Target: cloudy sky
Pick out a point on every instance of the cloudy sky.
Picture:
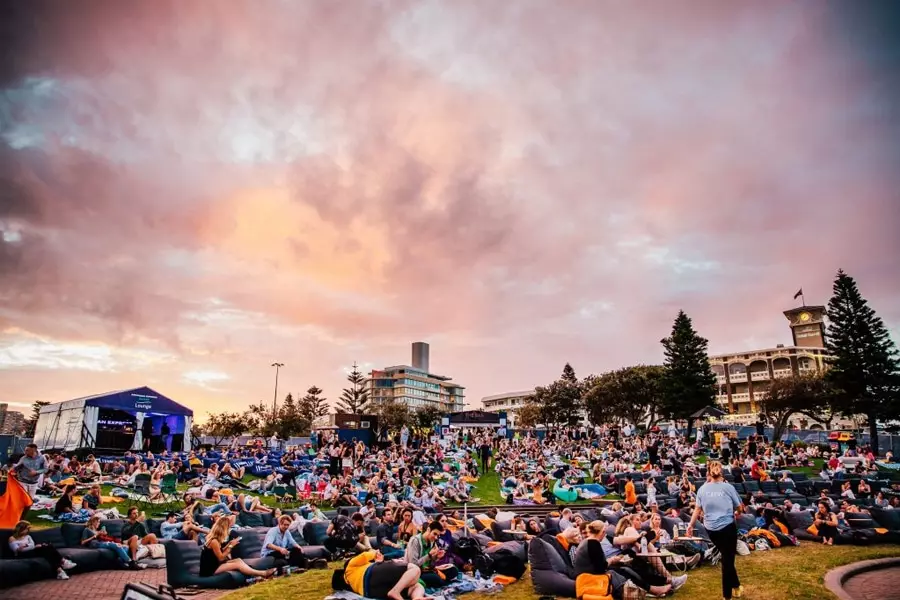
(190, 191)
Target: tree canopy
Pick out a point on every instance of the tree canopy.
(688, 382)
(354, 398)
(863, 361)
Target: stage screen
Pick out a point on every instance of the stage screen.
(115, 429)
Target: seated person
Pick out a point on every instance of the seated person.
(64, 504)
(94, 536)
(22, 546)
(386, 536)
(134, 532)
(280, 543)
(90, 470)
(345, 534)
(651, 569)
(171, 529)
(215, 554)
(91, 500)
(423, 551)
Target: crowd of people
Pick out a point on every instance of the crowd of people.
(395, 525)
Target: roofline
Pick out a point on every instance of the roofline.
(508, 395)
(410, 367)
(768, 350)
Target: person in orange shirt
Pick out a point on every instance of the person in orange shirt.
(630, 495)
(369, 574)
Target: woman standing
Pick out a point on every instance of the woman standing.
(718, 501)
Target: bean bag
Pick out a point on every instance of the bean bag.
(889, 519)
(549, 572)
(517, 549)
(183, 568)
(570, 495)
(314, 533)
(592, 489)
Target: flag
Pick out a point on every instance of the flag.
(13, 504)
(798, 294)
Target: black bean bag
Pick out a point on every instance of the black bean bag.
(549, 572)
(518, 549)
(889, 519)
(314, 533)
(183, 568)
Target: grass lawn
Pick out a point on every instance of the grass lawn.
(786, 573)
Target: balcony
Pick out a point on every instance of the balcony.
(782, 373)
(740, 397)
(759, 376)
(720, 379)
(737, 377)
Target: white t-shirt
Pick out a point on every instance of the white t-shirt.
(21, 545)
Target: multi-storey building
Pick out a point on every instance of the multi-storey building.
(509, 402)
(744, 377)
(11, 422)
(415, 386)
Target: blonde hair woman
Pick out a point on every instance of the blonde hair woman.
(717, 501)
(215, 556)
(23, 546)
(91, 537)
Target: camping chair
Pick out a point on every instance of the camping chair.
(142, 489)
(168, 489)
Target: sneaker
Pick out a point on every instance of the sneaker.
(62, 575)
(678, 582)
(68, 564)
(737, 592)
(693, 561)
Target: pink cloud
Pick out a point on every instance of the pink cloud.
(522, 184)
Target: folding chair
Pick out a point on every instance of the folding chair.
(142, 489)
(168, 490)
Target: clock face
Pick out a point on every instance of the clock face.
(804, 317)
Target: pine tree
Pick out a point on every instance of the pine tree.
(688, 383)
(864, 368)
(560, 402)
(311, 407)
(568, 374)
(354, 399)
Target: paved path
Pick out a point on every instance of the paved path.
(881, 584)
(99, 585)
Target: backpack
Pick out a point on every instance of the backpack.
(466, 548)
(484, 564)
(344, 529)
(507, 563)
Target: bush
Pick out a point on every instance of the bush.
(799, 444)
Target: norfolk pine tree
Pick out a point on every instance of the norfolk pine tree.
(863, 362)
(688, 383)
(354, 398)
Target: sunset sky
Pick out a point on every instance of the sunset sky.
(190, 191)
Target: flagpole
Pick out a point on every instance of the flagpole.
(803, 299)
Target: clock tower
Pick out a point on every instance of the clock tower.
(807, 326)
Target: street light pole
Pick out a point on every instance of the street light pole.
(277, 366)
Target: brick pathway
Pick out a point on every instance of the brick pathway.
(99, 585)
(882, 584)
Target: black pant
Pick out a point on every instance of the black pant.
(439, 578)
(725, 540)
(333, 544)
(295, 559)
(48, 553)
